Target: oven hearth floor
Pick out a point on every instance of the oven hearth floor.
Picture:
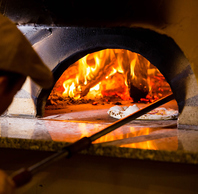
(149, 140)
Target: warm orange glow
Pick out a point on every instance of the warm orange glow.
(132, 132)
(112, 72)
(142, 145)
(73, 131)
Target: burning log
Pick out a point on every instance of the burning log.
(100, 76)
(137, 93)
(138, 85)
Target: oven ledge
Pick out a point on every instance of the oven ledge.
(171, 144)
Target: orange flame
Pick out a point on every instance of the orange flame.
(111, 72)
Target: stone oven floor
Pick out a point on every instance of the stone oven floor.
(150, 140)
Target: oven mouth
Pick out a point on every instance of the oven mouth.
(159, 49)
(60, 47)
(106, 78)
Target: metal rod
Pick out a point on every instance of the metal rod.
(23, 176)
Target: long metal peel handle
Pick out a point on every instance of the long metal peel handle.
(24, 175)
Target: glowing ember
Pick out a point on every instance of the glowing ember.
(113, 72)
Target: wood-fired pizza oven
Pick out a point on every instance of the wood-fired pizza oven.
(63, 33)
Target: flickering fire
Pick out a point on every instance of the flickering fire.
(113, 72)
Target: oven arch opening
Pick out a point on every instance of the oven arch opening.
(108, 76)
(159, 49)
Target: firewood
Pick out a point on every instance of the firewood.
(100, 76)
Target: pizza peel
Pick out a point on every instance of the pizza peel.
(24, 175)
